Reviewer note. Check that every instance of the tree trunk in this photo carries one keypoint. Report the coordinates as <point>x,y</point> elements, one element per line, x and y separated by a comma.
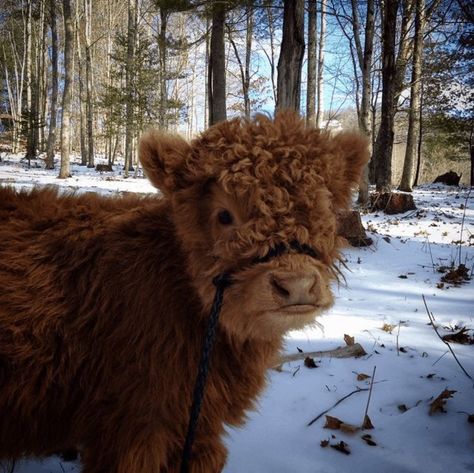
<point>291,56</point>
<point>320,79</point>
<point>271,56</point>
<point>131,42</point>
<point>30,88</point>
<point>54,90</point>
<point>471,153</point>
<point>365,59</point>
<point>89,99</point>
<point>420,139</point>
<point>244,66</point>
<point>415,99</point>
<point>312,64</point>
<point>248,57</point>
<point>384,142</point>
<point>64,171</point>
<point>163,115</point>
<point>217,73</point>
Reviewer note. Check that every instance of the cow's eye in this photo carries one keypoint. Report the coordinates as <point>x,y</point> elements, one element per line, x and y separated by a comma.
<point>225,217</point>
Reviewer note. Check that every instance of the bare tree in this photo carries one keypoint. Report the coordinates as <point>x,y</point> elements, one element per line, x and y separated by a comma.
<point>415,99</point>
<point>384,142</point>
<point>129,82</point>
<point>31,143</point>
<point>216,66</point>
<point>54,87</point>
<point>320,78</point>
<point>364,56</point>
<point>88,64</point>
<point>291,56</point>
<point>244,63</point>
<point>312,64</point>
<point>64,171</point>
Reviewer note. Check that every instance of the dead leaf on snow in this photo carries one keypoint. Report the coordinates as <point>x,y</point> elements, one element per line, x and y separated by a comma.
<point>388,327</point>
<point>337,424</point>
<point>462,336</point>
<point>362,377</point>
<point>367,438</point>
<point>402,408</point>
<point>367,424</point>
<point>349,340</point>
<point>309,362</point>
<point>332,423</point>
<point>438,404</point>
<point>348,428</point>
<point>341,447</point>
<point>324,443</point>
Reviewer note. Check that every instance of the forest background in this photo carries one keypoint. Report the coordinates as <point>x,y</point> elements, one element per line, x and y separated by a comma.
<point>88,76</point>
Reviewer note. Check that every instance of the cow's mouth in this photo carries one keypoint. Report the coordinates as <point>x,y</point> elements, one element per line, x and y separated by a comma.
<point>298,309</point>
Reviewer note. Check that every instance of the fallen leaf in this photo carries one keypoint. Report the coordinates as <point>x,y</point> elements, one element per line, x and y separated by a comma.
<point>362,377</point>
<point>388,327</point>
<point>438,404</point>
<point>367,424</point>
<point>341,447</point>
<point>324,443</point>
<point>403,350</point>
<point>309,362</point>
<point>462,336</point>
<point>299,350</point>
<point>349,340</point>
<point>332,423</point>
<point>457,276</point>
<point>403,276</point>
<point>368,439</point>
<point>402,408</point>
<point>348,428</point>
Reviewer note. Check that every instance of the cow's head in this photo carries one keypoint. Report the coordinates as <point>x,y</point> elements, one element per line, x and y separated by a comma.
<point>245,187</point>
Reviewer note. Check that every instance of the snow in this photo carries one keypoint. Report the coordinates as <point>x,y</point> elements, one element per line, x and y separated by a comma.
<point>414,245</point>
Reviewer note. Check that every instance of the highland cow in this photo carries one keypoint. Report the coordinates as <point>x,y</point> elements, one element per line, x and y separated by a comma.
<point>104,301</point>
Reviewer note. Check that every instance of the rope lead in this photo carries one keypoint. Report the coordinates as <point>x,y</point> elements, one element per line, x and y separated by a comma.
<point>222,281</point>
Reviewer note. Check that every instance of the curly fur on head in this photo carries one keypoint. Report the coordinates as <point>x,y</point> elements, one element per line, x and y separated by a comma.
<point>103,301</point>
<point>282,180</point>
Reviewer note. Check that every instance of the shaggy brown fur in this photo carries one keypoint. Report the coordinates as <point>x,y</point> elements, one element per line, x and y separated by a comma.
<point>103,301</point>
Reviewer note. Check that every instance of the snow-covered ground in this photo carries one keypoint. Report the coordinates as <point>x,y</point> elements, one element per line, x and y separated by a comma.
<point>385,284</point>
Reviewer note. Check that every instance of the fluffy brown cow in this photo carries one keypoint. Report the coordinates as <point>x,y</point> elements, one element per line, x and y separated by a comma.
<point>104,301</point>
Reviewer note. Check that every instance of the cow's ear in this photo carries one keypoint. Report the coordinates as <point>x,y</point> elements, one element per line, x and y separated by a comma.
<point>163,157</point>
<point>345,162</point>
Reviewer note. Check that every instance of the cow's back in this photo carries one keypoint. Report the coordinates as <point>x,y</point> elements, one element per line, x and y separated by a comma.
<point>50,247</point>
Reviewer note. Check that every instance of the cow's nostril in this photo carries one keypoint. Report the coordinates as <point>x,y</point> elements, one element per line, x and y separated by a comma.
<point>279,289</point>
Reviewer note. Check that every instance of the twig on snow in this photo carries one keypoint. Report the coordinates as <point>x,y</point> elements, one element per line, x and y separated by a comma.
<point>441,338</point>
<point>358,390</point>
<point>364,422</point>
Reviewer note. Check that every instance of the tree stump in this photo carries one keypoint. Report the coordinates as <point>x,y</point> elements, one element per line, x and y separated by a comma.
<point>449,178</point>
<point>349,226</point>
<point>103,168</point>
<point>392,202</point>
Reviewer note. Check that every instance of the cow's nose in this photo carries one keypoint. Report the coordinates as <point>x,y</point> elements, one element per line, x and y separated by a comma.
<point>294,289</point>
